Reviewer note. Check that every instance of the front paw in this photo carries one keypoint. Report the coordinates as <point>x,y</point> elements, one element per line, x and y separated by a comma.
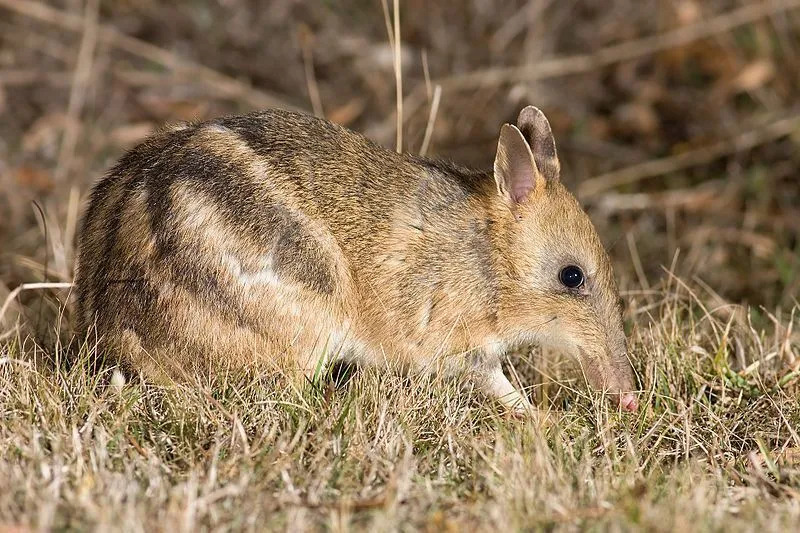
<point>528,413</point>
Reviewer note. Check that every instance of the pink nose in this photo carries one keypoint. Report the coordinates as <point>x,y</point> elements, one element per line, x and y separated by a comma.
<point>628,402</point>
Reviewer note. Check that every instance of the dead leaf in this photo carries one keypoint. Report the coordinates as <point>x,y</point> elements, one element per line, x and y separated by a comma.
<point>688,12</point>
<point>347,113</point>
<point>637,117</point>
<point>754,76</point>
<point>131,134</point>
<point>34,178</point>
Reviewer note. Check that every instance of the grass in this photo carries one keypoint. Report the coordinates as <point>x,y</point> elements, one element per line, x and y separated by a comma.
<point>676,124</point>
<point>715,446</point>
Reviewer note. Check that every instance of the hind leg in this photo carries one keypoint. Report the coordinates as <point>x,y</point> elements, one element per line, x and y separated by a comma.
<point>311,354</point>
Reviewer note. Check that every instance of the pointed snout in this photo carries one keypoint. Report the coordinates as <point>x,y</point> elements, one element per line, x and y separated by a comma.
<point>615,377</point>
<point>621,382</point>
<point>627,401</point>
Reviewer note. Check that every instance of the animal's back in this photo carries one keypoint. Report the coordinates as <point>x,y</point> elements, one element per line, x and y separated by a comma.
<point>206,243</point>
<point>252,237</point>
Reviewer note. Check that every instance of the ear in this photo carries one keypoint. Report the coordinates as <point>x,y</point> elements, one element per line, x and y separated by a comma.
<point>514,167</point>
<point>536,130</point>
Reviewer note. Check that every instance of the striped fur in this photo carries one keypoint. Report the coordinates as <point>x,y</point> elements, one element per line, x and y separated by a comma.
<point>277,238</point>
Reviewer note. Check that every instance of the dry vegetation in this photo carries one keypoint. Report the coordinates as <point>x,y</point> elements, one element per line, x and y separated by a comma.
<point>678,127</point>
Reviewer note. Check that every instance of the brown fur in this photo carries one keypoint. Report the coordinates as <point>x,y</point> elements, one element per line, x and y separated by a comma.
<point>280,238</point>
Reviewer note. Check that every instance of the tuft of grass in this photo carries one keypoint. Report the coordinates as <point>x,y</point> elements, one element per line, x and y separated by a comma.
<point>714,447</point>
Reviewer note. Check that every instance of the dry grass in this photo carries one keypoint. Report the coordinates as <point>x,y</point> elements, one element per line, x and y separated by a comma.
<point>715,447</point>
<point>677,126</point>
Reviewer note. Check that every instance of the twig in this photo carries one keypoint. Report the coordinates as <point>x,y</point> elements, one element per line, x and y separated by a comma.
<point>393,30</point>
<point>427,73</point>
<point>9,360</point>
<point>77,93</point>
<point>697,198</point>
<point>398,72</point>
<point>29,287</point>
<point>624,51</point>
<point>700,156</point>
<point>136,445</point>
<point>609,55</point>
<point>223,84</point>
<point>637,263</point>
<point>17,77</point>
<point>307,44</point>
<point>437,94</point>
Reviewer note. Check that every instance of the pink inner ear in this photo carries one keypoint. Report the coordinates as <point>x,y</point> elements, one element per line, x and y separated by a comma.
<point>520,191</point>
<point>514,164</point>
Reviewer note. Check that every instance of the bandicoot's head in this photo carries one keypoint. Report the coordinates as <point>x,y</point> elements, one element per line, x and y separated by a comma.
<point>562,291</point>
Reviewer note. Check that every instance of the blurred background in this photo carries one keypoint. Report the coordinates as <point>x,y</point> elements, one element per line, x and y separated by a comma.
<point>677,122</point>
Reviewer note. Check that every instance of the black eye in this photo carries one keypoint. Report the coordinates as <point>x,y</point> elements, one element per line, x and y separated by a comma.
<point>571,276</point>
